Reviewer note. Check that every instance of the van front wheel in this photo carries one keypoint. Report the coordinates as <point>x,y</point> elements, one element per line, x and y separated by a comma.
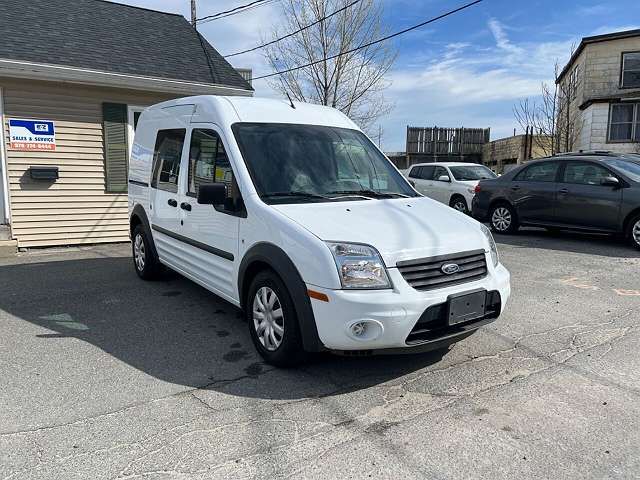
<point>146,264</point>
<point>272,321</point>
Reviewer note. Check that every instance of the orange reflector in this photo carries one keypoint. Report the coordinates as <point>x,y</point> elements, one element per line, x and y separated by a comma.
<point>318,296</point>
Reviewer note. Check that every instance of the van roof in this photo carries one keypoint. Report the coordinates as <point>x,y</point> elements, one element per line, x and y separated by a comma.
<point>258,110</point>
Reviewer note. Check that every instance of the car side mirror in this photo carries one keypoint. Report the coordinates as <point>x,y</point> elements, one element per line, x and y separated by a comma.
<point>610,182</point>
<point>444,178</point>
<point>212,194</point>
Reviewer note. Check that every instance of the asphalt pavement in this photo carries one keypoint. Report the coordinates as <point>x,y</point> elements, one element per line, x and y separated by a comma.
<point>104,376</point>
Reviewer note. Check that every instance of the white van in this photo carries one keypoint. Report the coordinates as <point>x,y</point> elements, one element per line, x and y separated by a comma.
<point>291,213</point>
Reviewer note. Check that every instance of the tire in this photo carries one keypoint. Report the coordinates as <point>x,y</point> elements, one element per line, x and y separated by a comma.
<point>147,265</point>
<point>633,231</point>
<point>503,219</point>
<point>460,204</point>
<point>275,336</point>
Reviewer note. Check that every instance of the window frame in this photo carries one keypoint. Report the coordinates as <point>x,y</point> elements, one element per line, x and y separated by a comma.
<point>131,131</point>
<point>567,163</point>
<point>241,211</point>
<point>635,122</point>
<point>154,174</point>
<point>622,54</point>
<point>524,170</point>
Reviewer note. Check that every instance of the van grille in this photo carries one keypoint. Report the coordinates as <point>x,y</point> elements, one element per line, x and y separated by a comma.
<point>426,273</point>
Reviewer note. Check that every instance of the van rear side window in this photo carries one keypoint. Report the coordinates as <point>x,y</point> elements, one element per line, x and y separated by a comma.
<point>166,159</point>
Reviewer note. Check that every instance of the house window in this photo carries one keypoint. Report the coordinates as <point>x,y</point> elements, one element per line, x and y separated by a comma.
<point>624,122</point>
<point>630,69</point>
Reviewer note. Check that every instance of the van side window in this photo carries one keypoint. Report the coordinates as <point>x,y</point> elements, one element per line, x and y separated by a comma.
<point>427,172</point>
<point>209,163</point>
<point>415,172</point>
<point>166,159</point>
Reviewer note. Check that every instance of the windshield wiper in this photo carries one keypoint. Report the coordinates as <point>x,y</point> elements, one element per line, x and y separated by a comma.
<point>295,194</point>
<point>368,193</point>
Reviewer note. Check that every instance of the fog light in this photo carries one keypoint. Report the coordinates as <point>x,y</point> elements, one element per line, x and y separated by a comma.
<point>365,330</point>
<point>359,329</point>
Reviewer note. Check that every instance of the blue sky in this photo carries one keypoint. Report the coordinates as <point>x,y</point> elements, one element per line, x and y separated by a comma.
<point>466,70</point>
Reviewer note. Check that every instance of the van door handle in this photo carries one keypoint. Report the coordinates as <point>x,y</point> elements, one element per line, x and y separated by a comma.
<point>563,191</point>
<point>172,202</point>
<point>515,188</point>
<point>185,206</point>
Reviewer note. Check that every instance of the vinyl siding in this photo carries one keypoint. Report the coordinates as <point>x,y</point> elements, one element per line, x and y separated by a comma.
<point>75,209</point>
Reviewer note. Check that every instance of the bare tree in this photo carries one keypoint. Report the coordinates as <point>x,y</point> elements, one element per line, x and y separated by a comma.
<point>352,82</point>
<point>554,118</point>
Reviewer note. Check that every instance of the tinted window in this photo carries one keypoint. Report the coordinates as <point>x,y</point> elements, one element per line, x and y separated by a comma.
<point>166,159</point>
<point>541,172</point>
<point>585,173</point>
<point>631,69</point>
<point>440,171</point>
<point>427,173</point>
<point>471,172</point>
<point>631,169</point>
<point>209,163</point>
<point>415,172</point>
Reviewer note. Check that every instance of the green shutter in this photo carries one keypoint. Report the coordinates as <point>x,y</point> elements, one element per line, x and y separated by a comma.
<point>114,117</point>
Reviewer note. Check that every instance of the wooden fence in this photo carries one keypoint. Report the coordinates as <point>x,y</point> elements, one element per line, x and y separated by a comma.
<point>446,142</point>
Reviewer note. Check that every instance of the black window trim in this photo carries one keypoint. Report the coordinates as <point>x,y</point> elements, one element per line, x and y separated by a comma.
<point>154,180</point>
<point>621,80</point>
<point>634,122</point>
<point>242,211</point>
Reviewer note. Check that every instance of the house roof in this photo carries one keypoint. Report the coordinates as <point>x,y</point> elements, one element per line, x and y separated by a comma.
<point>596,39</point>
<point>110,37</point>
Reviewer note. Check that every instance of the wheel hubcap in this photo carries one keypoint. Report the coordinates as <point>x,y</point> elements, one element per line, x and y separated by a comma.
<point>501,219</point>
<point>635,232</point>
<point>461,207</point>
<point>268,319</point>
<point>139,255</point>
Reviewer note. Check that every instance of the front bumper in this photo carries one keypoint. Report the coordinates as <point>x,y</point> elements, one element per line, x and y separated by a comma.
<point>394,313</point>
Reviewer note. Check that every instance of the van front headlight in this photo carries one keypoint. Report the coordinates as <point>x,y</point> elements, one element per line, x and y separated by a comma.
<point>492,245</point>
<point>359,266</point>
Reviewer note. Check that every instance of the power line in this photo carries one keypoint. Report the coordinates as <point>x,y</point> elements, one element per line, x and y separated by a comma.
<point>234,11</point>
<point>293,33</point>
<point>388,37</point>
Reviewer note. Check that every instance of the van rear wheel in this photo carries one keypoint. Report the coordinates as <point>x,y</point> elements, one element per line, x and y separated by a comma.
<point>272,321</point>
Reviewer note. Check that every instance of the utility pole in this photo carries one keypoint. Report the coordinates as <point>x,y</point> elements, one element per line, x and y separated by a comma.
<point>194,17</point>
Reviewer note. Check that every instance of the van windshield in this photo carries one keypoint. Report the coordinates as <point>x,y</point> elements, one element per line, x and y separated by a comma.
<point>311,163</point>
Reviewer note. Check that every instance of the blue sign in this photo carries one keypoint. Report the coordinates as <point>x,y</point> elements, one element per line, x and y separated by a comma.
<point>31,134</point>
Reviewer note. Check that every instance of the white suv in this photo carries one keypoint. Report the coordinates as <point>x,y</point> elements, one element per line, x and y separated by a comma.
<point>291,213</point>
<point>450,183</point>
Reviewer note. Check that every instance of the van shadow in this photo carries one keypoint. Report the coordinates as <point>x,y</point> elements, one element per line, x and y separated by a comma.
<point>175,331</point>
<point>603,245</point>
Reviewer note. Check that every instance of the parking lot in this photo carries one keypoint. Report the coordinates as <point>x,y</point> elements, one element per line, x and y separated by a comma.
<point>106,376</point>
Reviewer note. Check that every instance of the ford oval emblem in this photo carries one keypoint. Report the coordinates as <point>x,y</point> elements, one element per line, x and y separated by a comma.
<point>450,268</point>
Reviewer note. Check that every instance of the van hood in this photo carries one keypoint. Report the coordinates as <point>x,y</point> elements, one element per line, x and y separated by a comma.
<point>400,229</point>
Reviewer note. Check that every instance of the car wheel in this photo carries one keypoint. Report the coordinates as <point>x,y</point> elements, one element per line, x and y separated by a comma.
<point>634,231</point>
<point>503,218</point>
<point>146,264</point>
<point>460,204</point>
<point>272,321</point>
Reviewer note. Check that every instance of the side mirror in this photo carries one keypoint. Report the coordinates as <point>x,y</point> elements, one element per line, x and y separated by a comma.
<point>212,194</point>
<point>444,178</point>
<point>610,182</point>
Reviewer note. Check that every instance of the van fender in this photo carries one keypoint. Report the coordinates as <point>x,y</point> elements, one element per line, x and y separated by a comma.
<point>279,261</point>
<point>140,214</point>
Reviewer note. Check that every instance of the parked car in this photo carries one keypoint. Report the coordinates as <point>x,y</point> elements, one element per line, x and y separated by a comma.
<point>450,183</point>
<point>291,213</point>
<point>597,192</point>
